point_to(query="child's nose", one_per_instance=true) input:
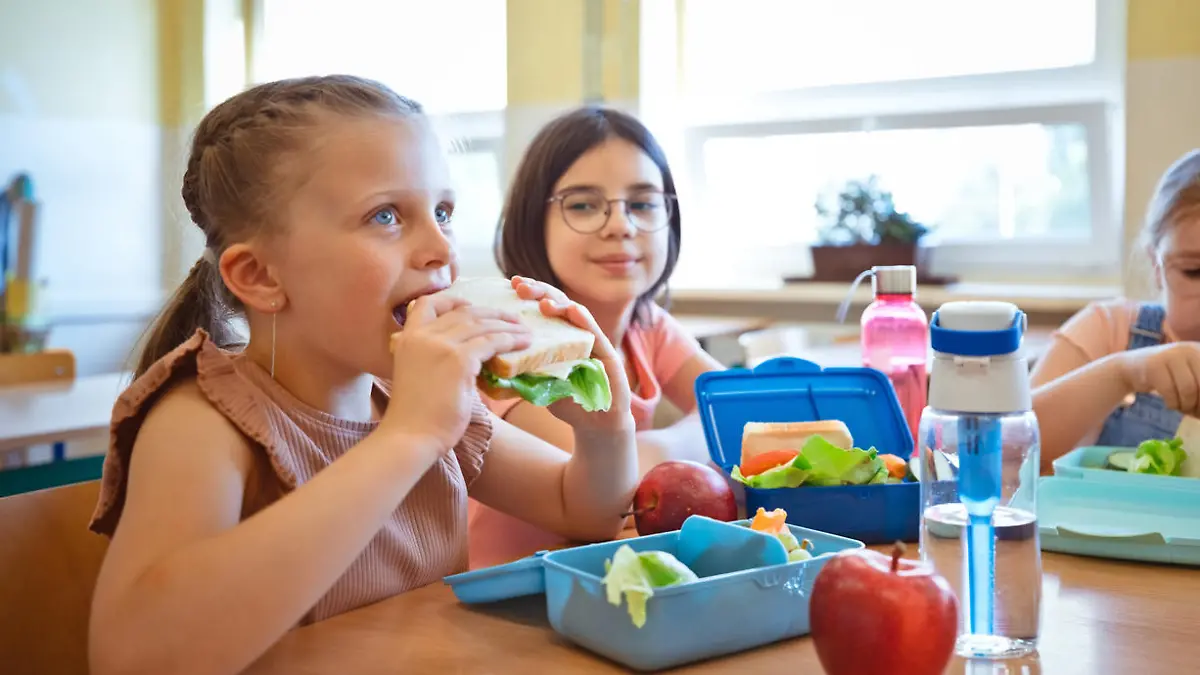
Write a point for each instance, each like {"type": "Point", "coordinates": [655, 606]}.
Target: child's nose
{"type": "Point", "coordinates": [434, 246]}
{"type": "Point", "coordinates": [619, 223]}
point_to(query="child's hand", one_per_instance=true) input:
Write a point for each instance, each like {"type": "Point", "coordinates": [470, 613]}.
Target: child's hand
{"type": "Point", "coordinates": [437, 357]}
{"type": "Point", "coordinates": [1172, 371]}
{"type": "Point", "coordinates": [555, 303]}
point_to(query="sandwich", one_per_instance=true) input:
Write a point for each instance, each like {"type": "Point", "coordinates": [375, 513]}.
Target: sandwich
{"type": "Point", "coordinates": [795, 454]}
{"type": "Point", "coordinates": [557, 364]}
{"type": "Point", "coordinates": [761, 437]}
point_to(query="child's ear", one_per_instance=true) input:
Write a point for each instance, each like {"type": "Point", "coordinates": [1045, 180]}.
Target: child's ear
{"type": "Point", "coordinates": [250, 279]}
{"type": "Point", "coordinates": [1157, 267]}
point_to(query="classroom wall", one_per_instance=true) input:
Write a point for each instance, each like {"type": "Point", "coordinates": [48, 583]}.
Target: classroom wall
{"type": "Point", "coordinates": [101, 113]}
{"type": "Point", "coordinates": [1162, 109]}
{"type": "Point", "coordinates": [79, 111]}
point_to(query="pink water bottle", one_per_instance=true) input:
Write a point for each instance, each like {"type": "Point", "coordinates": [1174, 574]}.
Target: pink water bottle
{"type": "Point", "coordinates": [895, 339]}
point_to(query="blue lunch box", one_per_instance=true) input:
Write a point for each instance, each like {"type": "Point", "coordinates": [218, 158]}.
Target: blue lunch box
{"type": "Point", "coordinates": [788, 389]}
{"type": "Point", "coordinates": [747, 594]}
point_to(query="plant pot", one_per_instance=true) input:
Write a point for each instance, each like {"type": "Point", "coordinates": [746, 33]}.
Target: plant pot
{"type": "Point", "coordinates": [845, 263]}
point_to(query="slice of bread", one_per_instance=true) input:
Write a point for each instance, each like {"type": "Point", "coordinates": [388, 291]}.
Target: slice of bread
{"type": "Point", "coordinates": [760, 437]}
{"type": "Point", "coordinates": [554, 340]}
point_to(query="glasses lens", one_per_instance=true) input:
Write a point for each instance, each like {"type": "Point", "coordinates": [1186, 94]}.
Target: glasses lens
{"type": "Point", "coordinates": [649, 211]}
{"type": "Point", "coordinates": [584, 211]}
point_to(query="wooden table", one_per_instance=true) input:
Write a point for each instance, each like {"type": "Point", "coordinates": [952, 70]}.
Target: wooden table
{"type": "Point", "coordinates": [45, 413]}
{"type": "Point", "coordinates": [1101, 617]}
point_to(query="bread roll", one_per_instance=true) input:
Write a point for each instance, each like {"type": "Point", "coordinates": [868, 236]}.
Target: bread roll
{"type": "Point", "coordinates": [760, 437]}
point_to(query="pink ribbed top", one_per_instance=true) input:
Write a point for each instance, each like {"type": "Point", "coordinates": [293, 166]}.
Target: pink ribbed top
{"type": "Point", "coordinates": [426, 537]}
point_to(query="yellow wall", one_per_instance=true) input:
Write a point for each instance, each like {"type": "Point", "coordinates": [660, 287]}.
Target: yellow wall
{"type": "Point", "coordinates": [1161, 29]}
{"type": "Point", "coordinates": [1162, 111]}
{"type": "Point", "coordinates": [546, 46]}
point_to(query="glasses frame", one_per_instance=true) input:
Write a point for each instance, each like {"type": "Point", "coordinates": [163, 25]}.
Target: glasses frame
{"type": "Point", "coordinates": [669, 202]}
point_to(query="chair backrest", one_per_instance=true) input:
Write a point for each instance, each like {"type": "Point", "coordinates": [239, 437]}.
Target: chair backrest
{"type": "Point", "coordinates": [49, 562]}
{"type": "Point", "coordinates": [51, 365]}
{"type": "Point", "coordinates": [51, 474]}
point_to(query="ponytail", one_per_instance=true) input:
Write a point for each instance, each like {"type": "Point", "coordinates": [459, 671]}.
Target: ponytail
{"type": "Point", "coordinates": [198, 303]}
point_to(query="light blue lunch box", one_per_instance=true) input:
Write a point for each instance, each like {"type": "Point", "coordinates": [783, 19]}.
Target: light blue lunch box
{"type": "Point", "coordinates": [748, 595]}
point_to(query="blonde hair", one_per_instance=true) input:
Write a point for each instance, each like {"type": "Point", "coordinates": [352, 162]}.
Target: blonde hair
{"type": "Point", "coordinates": [1176, 197]}
{"type": "Point", "coordinates": [233, 182]}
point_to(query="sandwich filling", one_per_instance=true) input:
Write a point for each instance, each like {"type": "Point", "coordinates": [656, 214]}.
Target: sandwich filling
{"type": "Point", "coordinates": [583, 381]}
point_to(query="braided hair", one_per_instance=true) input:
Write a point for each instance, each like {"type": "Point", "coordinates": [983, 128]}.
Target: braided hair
{"type": "Point", "coordinates": [233, 182]}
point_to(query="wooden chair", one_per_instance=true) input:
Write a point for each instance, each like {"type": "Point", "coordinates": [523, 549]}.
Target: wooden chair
{"type": "Point", "coordinates": [55, 474]}
{"type": "Point", "coordinates": [49, 562]}
{"type": "Point", "coordinates": [48, 366]}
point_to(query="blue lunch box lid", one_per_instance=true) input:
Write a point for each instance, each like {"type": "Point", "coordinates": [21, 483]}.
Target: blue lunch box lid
{"type": "Point", "coordinates": [500, 582]}
{"type": "Point", "coordinates": [787, 389]}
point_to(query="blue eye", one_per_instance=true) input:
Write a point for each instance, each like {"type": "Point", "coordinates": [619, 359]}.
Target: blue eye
{"type": "Point", "coordinates": [386, 216]}
{"type": "Point", "coordinates": [443, 214]}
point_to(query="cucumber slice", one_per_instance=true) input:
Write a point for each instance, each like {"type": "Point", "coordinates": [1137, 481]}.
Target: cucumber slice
{"type": "Point", "coordinates": [1121, 460]}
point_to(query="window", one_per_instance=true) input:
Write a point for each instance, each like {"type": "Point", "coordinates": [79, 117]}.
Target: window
{"type": "Point", "coordinates": [450, 55]}
{"type": "Point", "coordinates": [990, 121]}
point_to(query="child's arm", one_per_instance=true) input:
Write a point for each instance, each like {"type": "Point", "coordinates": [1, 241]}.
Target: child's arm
{"type": "Point", "coordinates": [685, 438]}
{"type": "Point", "coordinates": [1072, 395]}
{"type": "Point", "coordinates": [580, 496]}
{"type": "Point", "coordinates": [184, 587]}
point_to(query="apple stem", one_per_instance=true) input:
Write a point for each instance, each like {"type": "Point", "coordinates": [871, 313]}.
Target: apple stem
{"type": "Point", "coordinates": [898, 550]}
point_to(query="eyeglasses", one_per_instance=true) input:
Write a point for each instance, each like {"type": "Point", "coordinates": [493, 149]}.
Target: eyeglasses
{"type": "Point", "coordinates": [588, 211]}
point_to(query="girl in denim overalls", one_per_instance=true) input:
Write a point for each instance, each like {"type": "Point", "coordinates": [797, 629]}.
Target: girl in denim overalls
{"type": "Point", "coordinates": [1121, 371]}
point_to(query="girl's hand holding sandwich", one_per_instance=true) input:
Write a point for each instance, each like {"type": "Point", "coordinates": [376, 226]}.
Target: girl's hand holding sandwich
{"type": "Point", "coordinates": [555, 304]}
{"type": "Point", "coordinates": [436, 357]}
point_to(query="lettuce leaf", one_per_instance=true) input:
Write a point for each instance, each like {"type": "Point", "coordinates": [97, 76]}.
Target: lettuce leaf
{"type": "Point", "coordinates": [636, 575]}
{"type": "Point", "coordinates": [1158, 457]}
{"type": "Point", "coordinates": [783, 476]}
{"type": "Point", "coordinates": [821, 463]}
{"type": "Point", "coordinates": [587, 385]}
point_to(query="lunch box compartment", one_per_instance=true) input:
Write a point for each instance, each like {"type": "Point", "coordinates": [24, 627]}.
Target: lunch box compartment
{"type": "Point", "coordinates": [1088, 464]}
{"type": "Point", "coordinates": [788, 389]}
{"type": "Point", "coordinates": [737, 604]}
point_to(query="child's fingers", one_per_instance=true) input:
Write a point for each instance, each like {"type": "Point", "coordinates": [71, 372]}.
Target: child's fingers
{"type": "Point", "coordinates": [530, 289]}
{"type": "Point", "coordinates": [426, 308]}
{"type": "Point", "coordinates": [466, 331]}
{"type": "Point", "coordinates": [485, 346]}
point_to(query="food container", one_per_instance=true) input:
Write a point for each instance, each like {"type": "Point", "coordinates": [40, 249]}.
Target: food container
{"type": "Point", "coordinates": [1088, 464]}
{"type": "Point", "coordinates": [788, 389]}
{"type": "Point", "coordinates": [740, 601]}
{"type": "Point", "coordinates": [1113, 520]}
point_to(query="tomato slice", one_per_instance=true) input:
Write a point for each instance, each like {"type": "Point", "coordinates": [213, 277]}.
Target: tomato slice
{"type": "Point", "coordinates": [896, 466]}
{"type": "Point", "coordinates": [767, 460]}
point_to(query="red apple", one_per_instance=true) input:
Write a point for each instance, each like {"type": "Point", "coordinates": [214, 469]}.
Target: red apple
{"type": "Point", "coordinates": [875, 613]}
{"type": "Point", "coordinates": [674, 490]}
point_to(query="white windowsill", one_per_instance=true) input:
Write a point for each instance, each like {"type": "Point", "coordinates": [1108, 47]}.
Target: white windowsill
{"type": "Point", "coordinates": [1029, 297]}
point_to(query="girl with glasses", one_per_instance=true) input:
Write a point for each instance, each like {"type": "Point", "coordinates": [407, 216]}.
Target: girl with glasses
{"type": "Point", "coordinates": [592, 210]}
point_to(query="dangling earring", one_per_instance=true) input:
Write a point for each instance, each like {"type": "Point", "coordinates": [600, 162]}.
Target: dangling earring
{"type": "Point", "coordinates": [274, 317]}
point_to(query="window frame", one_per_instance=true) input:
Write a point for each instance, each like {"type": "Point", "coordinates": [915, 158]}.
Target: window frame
{"type": "Point", "coordinates": [480, 131]}
{"type": "Point", "coordinates": [1090, 95]}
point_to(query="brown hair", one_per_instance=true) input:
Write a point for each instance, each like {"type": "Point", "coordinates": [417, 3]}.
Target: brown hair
{"type": "Point", "coordinates": [233, 181]}
{"type": "Point", "coordinates": [1177, 196]}
{"type": "Point", "coordinates": [520, 246]}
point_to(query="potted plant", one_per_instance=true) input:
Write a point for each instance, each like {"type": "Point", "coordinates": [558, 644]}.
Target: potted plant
{"type": "Point", "coordinates": [861, 230]}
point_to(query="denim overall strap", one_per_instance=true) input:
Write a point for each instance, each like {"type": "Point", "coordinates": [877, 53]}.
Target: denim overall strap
{"type": "Point", "coordinates": [1148, 417]}
{"type": "Point", "coordinates": [1147, 329]}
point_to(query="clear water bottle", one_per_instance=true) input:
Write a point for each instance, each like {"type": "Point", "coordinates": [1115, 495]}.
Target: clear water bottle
{"type": "Point", "coordinates": [895, 337]}
{"type": "Point", "coordinates": [979, 465]}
